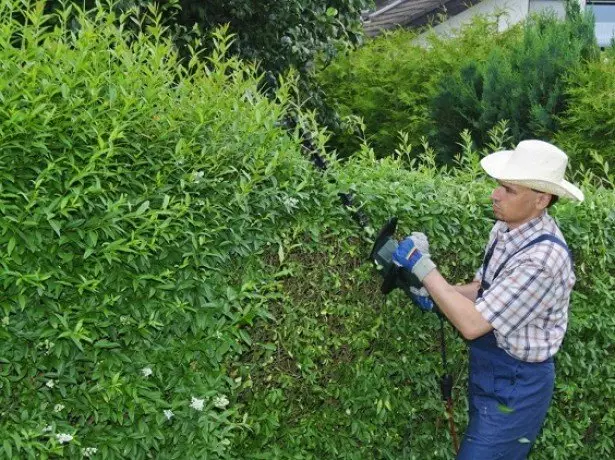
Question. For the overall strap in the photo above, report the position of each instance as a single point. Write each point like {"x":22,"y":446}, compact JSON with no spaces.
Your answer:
{"x":545,"y":237}
{"x":540,"y":239}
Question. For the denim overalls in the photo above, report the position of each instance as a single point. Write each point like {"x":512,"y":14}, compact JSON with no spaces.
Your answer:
{"x":508,"y":398}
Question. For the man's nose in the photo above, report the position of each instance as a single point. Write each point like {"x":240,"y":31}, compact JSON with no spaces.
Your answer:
{"x":495,"y":195}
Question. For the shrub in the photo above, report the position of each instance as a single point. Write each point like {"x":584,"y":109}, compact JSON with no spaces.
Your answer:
{"x":588,"y":125}
{"x":163,"y":240}
{"x":134,"y":195}
{"x":341,"y":372}
{"x":523,"y":83}
{"x":389,"y":82}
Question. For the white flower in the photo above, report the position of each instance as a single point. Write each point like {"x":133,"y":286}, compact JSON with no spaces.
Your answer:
{"x":47,"y":429}
{"x":58,"y":407}
{"x":89,"y":451}
{"x":146,"y":371}
{"x":197,"y":176}
{"x":221,"y":402}
{"x":197,"y":404}
{"x":50,"y":383}
{"x":168,"y":414}
{"x":63,"y":438}
{"x":348,"y":412}
{"x":290,"y":202}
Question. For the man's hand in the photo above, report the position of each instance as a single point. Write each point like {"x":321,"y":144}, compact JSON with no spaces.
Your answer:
{"x":421,"y":242}
{"x":421,"y":298}
{"x":410,"y":257}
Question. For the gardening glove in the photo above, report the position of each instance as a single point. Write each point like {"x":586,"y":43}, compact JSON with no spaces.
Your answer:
{"x":421,"y":242}
{"x":410,"y":257}
{"x":420,"y":296}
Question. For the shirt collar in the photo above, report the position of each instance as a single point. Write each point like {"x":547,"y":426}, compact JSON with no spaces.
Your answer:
{"x":515,"y":238}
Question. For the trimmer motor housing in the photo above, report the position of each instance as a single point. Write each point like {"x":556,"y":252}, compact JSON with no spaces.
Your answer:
{"x":382,"y":256}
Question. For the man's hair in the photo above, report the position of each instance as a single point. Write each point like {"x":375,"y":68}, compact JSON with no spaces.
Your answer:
{"x":554,"y":199}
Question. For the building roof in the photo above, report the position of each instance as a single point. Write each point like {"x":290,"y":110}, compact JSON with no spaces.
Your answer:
{"x":393,"y":14}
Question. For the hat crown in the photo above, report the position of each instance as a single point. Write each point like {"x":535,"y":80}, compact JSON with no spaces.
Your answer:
{"x":534,"y":164}
{"x":537,"y":160}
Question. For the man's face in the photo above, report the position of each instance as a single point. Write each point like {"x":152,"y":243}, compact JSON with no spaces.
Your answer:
{"x":516,"y":205}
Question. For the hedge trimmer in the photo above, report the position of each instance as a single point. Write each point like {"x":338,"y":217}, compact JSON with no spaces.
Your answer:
{"x":394,"y":277}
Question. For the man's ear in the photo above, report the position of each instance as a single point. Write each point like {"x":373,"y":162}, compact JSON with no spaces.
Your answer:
{"x":543,"y":200}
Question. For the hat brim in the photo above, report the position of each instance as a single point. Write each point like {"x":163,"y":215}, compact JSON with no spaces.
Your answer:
{"x":495,"y":166}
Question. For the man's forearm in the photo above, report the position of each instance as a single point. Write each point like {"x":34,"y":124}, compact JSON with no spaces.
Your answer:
{"x":469,"y":291}
{"x":456,"y":306}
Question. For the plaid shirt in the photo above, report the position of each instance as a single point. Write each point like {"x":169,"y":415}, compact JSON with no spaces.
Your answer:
{"x":527,"y":304}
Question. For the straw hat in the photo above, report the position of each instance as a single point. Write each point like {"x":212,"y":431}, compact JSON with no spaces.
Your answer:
{"x":533,"y":164}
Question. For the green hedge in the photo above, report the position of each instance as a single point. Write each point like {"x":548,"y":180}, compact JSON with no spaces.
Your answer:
{"x":131,"y":191}
{"x":343,"y":374}
{"x":167,"y":247}
{"x":523,"y":83}
{"x":436,"y":87}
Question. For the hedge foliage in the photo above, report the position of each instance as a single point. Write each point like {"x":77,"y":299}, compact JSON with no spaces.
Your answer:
{"x":178,"y":281}
{"x":343,"y":365}
{"x":289,"y":33}
{"x":131,"y":191}
{"x":523,"y":83}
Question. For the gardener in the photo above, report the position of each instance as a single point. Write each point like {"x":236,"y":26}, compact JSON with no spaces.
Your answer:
{"x":514,"y":314}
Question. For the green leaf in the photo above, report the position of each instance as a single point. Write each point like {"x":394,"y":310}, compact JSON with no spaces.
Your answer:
{"x":55,"y":225}
{"x":106,"y":344}
{"x":505,"y":409}
{"x":144,"y":207}
{"x":245,"y":336}
{"x":10,"y":246}
{"x":281,"y":255}
{"x":8,"y":449}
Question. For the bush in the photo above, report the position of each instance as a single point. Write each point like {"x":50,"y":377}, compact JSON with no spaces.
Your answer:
{"x":134,"y":196}
{"x":344,"y":373}
{"x":588,"y":125}
{"x":523,"y":83}
{"x":470,"y":81}
{"x":390,"y":81}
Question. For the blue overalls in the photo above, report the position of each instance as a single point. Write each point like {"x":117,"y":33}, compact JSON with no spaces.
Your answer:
{"x":508,"y":398}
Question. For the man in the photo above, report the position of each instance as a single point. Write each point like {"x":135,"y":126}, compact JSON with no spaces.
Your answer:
{"x":514,"y":314}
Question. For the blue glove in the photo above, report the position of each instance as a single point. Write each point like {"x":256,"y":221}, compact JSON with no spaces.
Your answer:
{"x":410,"y":257}
{"x":421,"y":298}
